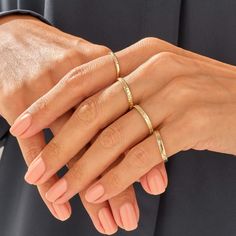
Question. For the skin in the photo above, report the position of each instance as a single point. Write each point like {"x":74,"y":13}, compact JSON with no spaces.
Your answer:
{"x":185,"y":94}
{"x":193,"y":93}
{"x":34,"y":58}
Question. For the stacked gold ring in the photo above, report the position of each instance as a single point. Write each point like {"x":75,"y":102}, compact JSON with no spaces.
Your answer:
{"x":127,"y":92}
{"x":145,"y":117}
{"x":116,"y":62}
{"x":161,"y":146}
{"x":122,"y":81}
{"x":140,"y":110}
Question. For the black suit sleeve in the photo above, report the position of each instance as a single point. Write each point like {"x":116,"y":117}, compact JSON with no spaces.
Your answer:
{"x":24,"y":12}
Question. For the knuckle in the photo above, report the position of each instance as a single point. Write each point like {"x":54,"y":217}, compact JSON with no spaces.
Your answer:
{"x":103,"y":50}
{"x":165,"y":57}
{"x":138,"y":157}
{"x":110,"y":137}
{"x":40,"y":105}
{"x":77,"y":43}
{"x":76,"y":78}
{"x":77,"y":176}
{"x":74,"y":172}
{"x":162,"y":61}
{"x":52,"y":149}
{"x":31,"y":152}
{"x":88,"y":111}
{"x":114,"y":180}
{"x":149,"y":41}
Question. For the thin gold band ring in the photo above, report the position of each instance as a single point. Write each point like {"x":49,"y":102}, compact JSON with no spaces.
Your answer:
{"x":116,"y":62}
{"x":160,"y":145}
{"x":145,"y":117}
{"x":127,"y":92}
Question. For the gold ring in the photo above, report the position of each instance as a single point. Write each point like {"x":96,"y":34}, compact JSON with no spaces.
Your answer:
{"x":161,"y":145}
{"x":127,"y":92}
{"x":116,"y":62}
{"x":145,"y":117}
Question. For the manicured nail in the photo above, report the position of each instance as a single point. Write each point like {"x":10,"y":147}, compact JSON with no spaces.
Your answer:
{"x":128,"y":217}
{"x":107,"y":221}
{"x":35,"y":171}
{"x":57,"y":190}
{"x":94,"y":193}
{"x":156,"y":183}
{"x":63,"y":211}
{"x":21,"y":124}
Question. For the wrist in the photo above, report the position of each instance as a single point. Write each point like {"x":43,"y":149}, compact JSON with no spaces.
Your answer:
{"x":8,"y":18}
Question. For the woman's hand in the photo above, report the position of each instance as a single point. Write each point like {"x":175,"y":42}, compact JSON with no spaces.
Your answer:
{"x":33,"y":61}
{"x":183,"y":93}
{"x":34,"y":57}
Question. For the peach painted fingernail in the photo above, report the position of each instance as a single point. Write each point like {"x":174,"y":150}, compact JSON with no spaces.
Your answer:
{"x":63,"y":211}
{"x":107,"y":221}
{"x":94,"y":193}
{"x":156,"y":183}
{"x":35,"y":170}
{"x":128,"y":217}
{"x":21,"y":124}
{"x":57,"y":190}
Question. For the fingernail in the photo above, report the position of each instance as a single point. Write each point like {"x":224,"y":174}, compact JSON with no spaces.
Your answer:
{"x":57,"y":190}
{"x":156,"y":183}
{"x":128,"y":217}
{"x":63,"y":211}
{"x":107,"y":221}
{"x":21,"y":124}
{"x":94,"y":193}
{"x":35,"y":171}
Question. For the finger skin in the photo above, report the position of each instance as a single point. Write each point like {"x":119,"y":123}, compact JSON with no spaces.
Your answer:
{"x":113,"y":141}
{"x":72,"y":88}
{"x":124,"y":206}
{"x":59,"y":151}
{"x":55,"y":165}
{"x":139,"y":160}
{"x":110,"y":141}
{"x":111,"y":137}
{"x":30,"y":148}
{"x":118,"y":202}
{"x":93,"y":210}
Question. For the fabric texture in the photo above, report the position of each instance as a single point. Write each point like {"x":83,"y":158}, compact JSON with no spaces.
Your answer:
{"x":200,"y":198}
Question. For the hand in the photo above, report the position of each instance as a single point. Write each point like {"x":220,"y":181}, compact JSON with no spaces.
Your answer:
{"x":34,"y":57}
{"x":185,"y":94}
{"x":22,"y":82}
